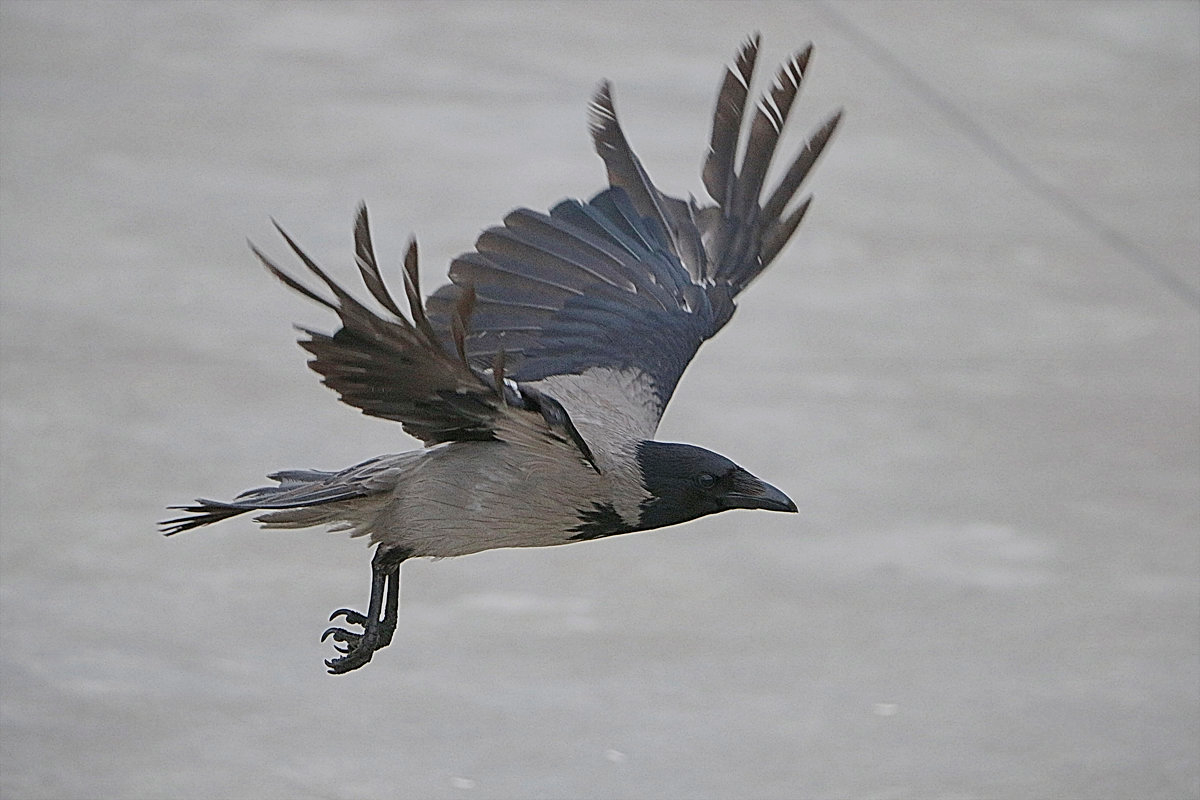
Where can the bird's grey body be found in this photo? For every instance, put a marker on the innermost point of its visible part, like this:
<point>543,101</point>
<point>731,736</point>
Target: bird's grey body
<point>454,499</point>
<point>537,377</point>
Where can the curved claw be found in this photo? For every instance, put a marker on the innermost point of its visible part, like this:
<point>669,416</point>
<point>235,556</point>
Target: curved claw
<point>352,617</point>
<point>350,661</point>
<point>340,635</point>
<point>355,648</point>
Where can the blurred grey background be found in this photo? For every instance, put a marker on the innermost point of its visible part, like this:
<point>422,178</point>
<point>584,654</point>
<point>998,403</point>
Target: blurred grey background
<point>989,417</point>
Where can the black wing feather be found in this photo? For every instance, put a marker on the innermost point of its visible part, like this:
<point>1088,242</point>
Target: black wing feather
<point>666,219</point>
<point>624,168</point>
<point>719,168</point>
<point>387,368</point>
<point>368,268</point>
<point>635,278</point>
<point>400,370</point>
<point>799,169</point>
<point>741,236</point>
<point>642,313</point>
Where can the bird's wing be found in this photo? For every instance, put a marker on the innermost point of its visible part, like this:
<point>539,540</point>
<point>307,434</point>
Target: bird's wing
<point>390,367</point>
<point>585,288</point>
<point>633,281</point>
<point>744,231</point>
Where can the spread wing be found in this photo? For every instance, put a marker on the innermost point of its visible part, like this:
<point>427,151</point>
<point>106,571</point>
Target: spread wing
<point>634,280</point>
<point>397,369</point>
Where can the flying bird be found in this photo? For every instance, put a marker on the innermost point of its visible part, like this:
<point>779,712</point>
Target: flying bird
<point>537,377</point>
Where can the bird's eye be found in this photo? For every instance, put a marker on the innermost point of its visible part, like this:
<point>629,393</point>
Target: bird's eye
<point>705,480</point>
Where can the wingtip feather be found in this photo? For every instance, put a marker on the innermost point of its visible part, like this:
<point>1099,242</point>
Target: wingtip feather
<point>460,322</point>
<point>800,167</point>
<point>412,290</point>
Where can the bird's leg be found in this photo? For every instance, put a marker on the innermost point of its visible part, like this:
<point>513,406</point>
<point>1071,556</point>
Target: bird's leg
<point>377,633</point>
<point>391,609</point>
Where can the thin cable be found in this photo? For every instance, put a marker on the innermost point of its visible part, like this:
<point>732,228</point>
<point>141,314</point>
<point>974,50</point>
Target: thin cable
<point>1008,161</point>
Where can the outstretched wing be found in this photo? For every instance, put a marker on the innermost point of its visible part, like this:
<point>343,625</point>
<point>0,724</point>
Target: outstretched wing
<point>743,232</point>
<point>586,286</point>
<point>397,369</point>
<point>633,281</point>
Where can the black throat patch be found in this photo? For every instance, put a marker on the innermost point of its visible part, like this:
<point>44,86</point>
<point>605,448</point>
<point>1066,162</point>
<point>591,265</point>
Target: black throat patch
<point>597,522</point>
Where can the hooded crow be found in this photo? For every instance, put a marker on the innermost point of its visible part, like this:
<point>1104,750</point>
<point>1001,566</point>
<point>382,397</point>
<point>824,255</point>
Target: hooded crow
<point>537,377</point>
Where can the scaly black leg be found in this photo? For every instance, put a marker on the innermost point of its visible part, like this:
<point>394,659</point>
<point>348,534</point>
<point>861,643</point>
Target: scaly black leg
<point>377,633</point>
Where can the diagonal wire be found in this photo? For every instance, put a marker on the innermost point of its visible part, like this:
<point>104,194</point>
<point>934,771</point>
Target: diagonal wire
<point>1007,160</point>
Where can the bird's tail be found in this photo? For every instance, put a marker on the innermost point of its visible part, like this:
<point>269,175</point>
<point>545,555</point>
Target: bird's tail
<point>302,499</point>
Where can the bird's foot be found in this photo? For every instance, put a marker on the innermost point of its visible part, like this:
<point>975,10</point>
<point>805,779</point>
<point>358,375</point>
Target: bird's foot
<point>356,648</point>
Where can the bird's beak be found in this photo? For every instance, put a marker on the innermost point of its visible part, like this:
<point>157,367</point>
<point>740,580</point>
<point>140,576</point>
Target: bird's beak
<point>750,492</point>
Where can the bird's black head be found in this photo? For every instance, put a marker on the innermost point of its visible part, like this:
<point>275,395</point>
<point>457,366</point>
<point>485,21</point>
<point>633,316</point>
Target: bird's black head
<point>686,482</point>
